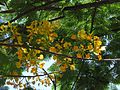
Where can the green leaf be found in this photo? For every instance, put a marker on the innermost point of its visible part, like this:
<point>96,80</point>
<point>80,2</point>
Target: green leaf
<point>3,59</point>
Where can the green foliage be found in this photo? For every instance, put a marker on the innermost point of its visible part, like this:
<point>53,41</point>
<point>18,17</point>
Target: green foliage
<point>2,81</point>
<point>113,47</point>
<point>3,58</point>
<point>94,75</point>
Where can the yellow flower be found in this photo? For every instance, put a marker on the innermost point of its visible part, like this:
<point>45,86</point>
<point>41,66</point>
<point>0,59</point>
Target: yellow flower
<point>51,39</point>
<point>96,38</point>
<point>82,34</point>
<point>79,55</point>
<point>24,50</point>
<point>58,46</point>
<point>63,68</point>
<point>18,64</point>
<point>73,37</point>
<point>87,56</point>
<point>19,53</point>
<point>75,48</point>
<point>38,41</point>
<point>37,51</point>
<point>97,50</point>
<point>68,59</point>
<point>72,67</point>
<point>33,70</point>
<point>45,23</point>
<point>54,35</point>
<point>32,62</point>
<point>52,76</point>
<point>99,57</point>
<point>52,49</point>
<point>20,85</point>
<point>48,82</point>
<point>97,43</point>
<point>90,47</point>
<point>41,65</point>
<point>89,37</point>
<point>82,46</point>
<point>41,57</point>
<point>19,38</point>
<point>42,81</point>
<point>67,44</point>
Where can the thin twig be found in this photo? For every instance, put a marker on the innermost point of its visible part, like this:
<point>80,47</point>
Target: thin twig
<point>7,11</point>
<point>4,76</point>
<point>90,5</point>
<point>74,84</point>
<point>3,40</point>
<point>93,18</point>
<point>54,83</point>
<point>34,9</point>
<point>56,18</point>
<point>6,4</point>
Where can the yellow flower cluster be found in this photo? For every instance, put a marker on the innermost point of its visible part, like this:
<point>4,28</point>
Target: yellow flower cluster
<point>30,58</point>
<point>97,47</point>
<point>45,82</point>
<point>66,49</point>
<point>82,46</point>
<point>93,45</point>
<point>63,68</point>
<point>45,36</point>
<point>43,28</point>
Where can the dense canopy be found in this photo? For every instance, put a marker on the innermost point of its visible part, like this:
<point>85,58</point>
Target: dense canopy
<point>81,36</point>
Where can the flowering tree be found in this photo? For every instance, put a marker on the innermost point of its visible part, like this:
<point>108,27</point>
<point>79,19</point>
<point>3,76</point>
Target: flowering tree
<point>67,31</point>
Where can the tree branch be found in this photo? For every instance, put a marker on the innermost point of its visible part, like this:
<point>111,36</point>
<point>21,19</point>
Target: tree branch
<point>93,18</point>
<point>60,17</point>
<point>48,6</point>
<point>1,3</point>
<point>89,5</point>
<point>55,53</point>
<point>115,30</point>
<point>4,76</point>
<point>47,51</point>
<point>7,11</point>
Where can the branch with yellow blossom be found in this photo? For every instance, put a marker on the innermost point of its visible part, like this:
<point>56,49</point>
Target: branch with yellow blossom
<point>6,76</point>
<point>47,51</point>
